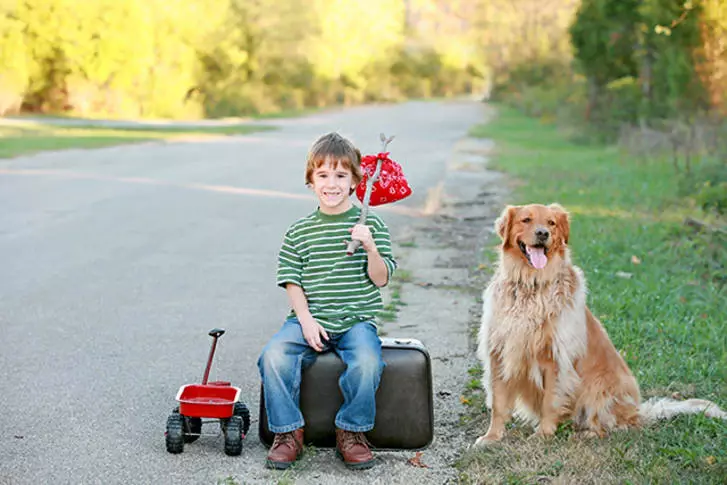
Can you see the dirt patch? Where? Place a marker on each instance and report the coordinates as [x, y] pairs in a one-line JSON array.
[[443, 256]]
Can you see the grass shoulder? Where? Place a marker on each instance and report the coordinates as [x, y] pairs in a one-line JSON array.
[[25, 138], [658, 285]]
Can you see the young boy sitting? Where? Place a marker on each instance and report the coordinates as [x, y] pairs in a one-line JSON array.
[[334, 299]]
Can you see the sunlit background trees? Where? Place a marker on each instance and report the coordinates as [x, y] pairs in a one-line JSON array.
[[606, 62]]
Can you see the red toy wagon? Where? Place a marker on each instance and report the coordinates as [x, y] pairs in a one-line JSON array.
[[217, 401]]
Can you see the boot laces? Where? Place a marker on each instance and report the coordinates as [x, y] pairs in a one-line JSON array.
[[351, 439], [282, 439]]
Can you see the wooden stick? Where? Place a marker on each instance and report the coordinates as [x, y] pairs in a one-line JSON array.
[[355, 244]]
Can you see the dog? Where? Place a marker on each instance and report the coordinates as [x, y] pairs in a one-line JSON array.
[[546, 358]]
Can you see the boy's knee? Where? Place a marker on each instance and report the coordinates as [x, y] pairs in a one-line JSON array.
[[370, 362], [272, 356]]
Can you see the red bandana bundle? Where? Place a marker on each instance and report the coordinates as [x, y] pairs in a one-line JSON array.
[[390, 185]]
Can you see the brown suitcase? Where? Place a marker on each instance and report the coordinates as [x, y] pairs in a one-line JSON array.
[[404, 407]]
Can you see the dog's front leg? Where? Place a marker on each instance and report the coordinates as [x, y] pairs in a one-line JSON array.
[[549, 411], [502, 403]]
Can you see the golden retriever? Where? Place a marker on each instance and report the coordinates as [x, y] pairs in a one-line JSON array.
[[545, 357]]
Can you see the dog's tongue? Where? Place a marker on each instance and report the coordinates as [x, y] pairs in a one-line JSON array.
[[537, 257]]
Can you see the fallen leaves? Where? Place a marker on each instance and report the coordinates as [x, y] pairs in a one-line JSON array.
[[416, 461]]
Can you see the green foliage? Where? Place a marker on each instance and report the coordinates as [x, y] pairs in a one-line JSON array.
[[640, 59], [653, 44], [252, 62], [603, 36], [191, 58], [707, 183], [340, 48], [524, 42], [675, 87], [617, 103], [713, 197]]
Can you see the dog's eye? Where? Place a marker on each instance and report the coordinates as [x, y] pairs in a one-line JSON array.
[[551, 223], [527, 220]]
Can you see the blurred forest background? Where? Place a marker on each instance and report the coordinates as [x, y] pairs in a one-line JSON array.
[[609, 61], [650, 74]]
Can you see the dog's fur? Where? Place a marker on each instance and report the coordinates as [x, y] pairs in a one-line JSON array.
[[545, 356]]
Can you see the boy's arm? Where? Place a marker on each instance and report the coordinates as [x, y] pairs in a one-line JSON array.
[[312, 330], [290, 272], [376, 268]]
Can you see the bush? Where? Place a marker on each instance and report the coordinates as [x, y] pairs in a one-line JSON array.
[[707, 183], [238, 100], [713, 197]]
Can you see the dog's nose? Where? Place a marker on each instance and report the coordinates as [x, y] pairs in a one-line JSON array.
[[542, 234]]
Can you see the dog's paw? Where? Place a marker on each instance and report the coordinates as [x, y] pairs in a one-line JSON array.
[[545, 431], [485, 441]]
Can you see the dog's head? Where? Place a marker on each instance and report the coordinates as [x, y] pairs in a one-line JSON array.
[[534, 233]]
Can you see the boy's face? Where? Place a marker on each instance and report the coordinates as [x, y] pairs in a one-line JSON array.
[[332, 183]]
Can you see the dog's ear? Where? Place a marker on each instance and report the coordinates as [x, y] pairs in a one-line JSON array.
[[562, 221], [504, 222]]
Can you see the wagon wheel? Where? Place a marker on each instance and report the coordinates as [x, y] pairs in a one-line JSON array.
[[233, 436], [175, 433], [242, 411], [192, 427]]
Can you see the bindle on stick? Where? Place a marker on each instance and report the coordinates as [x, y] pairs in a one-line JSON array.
[[382, 157]]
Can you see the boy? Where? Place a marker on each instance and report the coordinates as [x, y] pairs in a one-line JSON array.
[[334, 299]]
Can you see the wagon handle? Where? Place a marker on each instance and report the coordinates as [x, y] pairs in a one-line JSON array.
[[215, 333]]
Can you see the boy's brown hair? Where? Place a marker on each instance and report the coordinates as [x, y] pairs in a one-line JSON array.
[[334, 147]]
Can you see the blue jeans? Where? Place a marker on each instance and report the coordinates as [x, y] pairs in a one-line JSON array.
[[287, 353]]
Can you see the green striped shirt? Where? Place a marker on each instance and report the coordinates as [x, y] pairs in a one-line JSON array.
[[337, 286]]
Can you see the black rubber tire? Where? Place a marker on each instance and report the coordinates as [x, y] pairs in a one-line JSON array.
[[233, 436], [175, 433], [242, 411], [192, 425]]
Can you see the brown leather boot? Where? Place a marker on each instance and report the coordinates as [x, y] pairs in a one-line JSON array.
[[353, 449], [286, 448]]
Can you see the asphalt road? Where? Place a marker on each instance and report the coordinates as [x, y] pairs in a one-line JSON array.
[[114, 264]]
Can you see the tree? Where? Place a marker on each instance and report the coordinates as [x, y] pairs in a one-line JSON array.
[[712, 54], [347, 36], [14, 70]]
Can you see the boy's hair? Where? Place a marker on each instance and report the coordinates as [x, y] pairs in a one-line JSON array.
[[334, 147]]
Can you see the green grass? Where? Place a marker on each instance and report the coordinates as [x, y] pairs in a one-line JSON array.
[[23, 139], [667, 318]]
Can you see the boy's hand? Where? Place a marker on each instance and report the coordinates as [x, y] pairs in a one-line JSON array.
[[312, 332], [362, 233]]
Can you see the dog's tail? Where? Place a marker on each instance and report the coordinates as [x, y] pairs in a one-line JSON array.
[[664, 408]]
